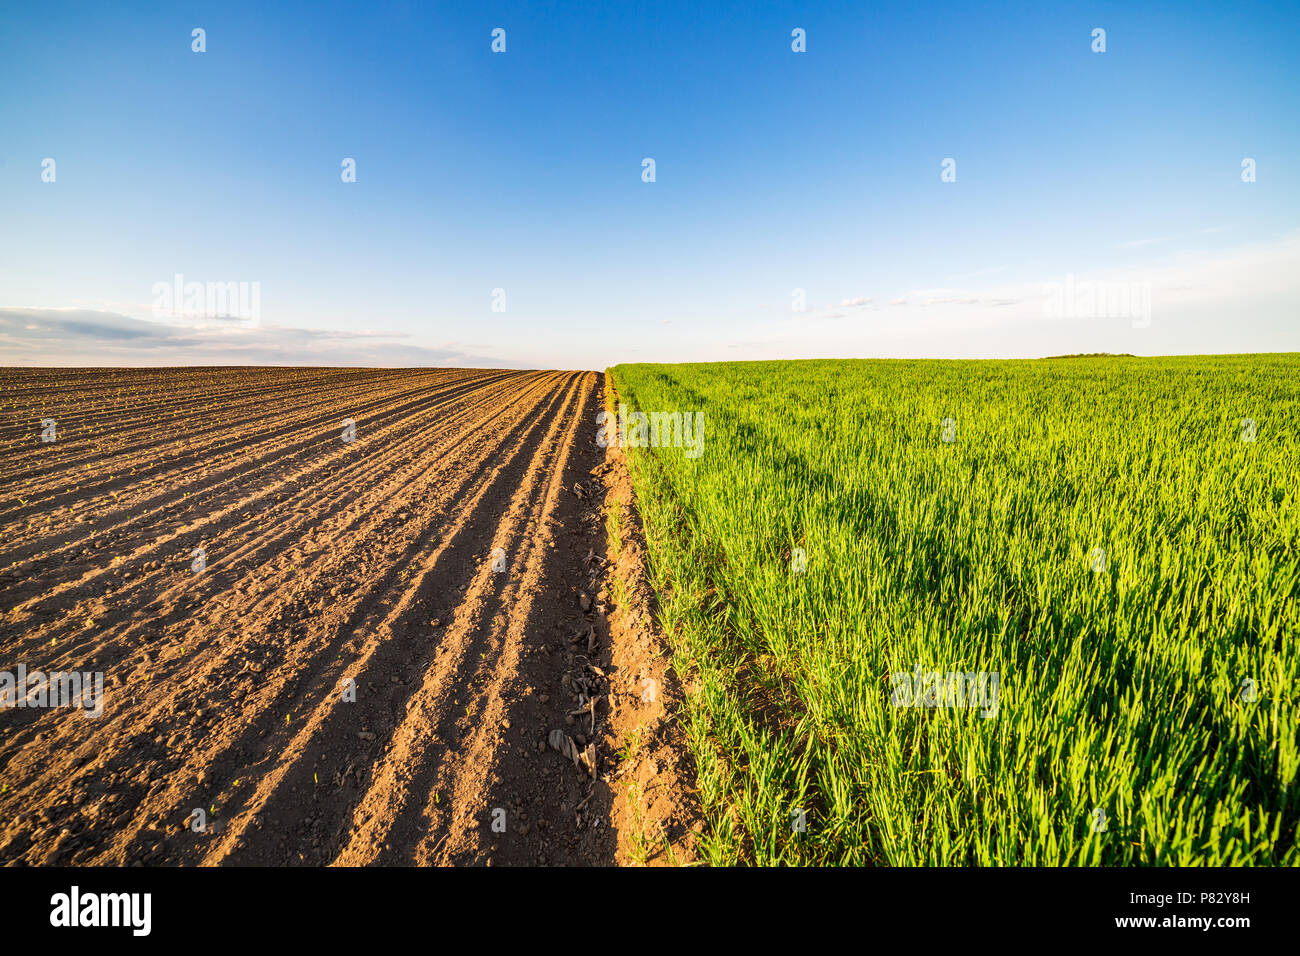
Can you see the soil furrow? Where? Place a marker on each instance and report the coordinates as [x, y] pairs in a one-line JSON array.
[[367, 667]]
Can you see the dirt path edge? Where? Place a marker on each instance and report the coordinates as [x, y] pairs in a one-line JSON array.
[[656, 809]]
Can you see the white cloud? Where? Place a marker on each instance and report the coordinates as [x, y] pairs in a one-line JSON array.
[[1239, 300], [87, 337]]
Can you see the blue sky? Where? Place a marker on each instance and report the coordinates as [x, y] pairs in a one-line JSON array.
[[522, 171]]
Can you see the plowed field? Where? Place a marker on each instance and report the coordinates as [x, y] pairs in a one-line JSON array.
[[326, 564]]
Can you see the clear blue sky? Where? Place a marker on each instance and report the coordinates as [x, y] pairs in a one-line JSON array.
[[775, 170]]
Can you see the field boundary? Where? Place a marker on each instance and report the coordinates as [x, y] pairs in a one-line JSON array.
[[655, 810]]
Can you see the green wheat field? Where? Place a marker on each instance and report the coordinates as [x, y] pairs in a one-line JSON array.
[[1116, 539]]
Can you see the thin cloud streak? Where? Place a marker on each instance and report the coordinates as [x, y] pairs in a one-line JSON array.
[[86, 337]]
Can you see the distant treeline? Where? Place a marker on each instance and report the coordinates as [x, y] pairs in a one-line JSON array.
[[1093, 355]]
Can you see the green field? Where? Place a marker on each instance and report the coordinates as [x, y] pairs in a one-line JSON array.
[[1100, 534]]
